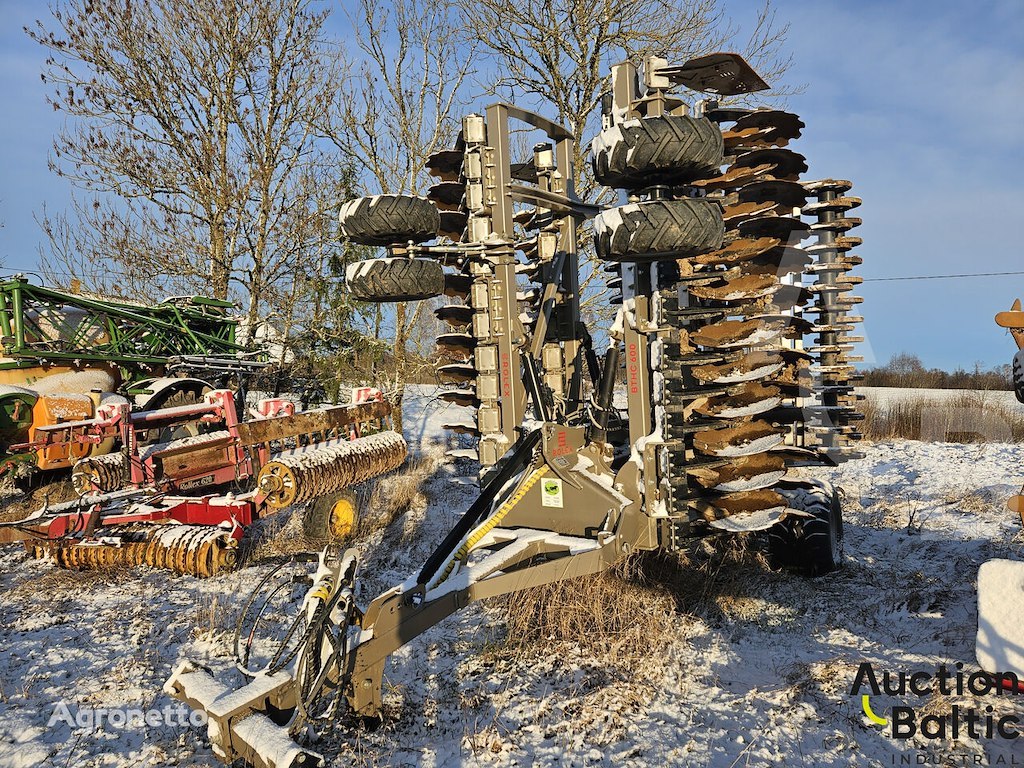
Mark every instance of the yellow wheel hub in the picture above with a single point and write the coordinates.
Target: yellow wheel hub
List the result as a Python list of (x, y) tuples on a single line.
[(342, 520)]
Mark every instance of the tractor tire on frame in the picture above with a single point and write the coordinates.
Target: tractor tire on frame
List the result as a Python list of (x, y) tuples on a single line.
[(389, 220), (810, 546), (657, 150), (394, 279), (659, 229)]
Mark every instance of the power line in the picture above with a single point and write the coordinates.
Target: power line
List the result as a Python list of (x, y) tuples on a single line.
[(939, 277)]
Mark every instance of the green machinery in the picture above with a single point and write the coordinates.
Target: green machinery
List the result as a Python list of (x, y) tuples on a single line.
[(62, 353)]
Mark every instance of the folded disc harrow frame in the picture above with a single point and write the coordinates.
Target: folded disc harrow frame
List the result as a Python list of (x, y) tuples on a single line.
[(731, 341)]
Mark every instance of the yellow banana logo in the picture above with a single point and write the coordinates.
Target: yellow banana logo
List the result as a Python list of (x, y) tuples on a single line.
[(865, 702)]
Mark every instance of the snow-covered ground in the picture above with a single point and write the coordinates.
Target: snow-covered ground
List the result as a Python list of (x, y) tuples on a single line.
[(888, 395), (759, 672)]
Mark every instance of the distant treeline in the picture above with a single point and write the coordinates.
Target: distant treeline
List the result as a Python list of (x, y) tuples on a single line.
[(906, 370)]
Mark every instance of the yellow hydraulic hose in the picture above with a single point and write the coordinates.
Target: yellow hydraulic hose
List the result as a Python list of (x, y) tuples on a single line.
[(485, 527)]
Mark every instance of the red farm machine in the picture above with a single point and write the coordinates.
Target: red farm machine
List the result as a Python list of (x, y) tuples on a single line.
[(183, 504), (168, 468)]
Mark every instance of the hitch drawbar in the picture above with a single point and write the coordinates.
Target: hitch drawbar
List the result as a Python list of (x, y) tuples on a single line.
[(236, 730)]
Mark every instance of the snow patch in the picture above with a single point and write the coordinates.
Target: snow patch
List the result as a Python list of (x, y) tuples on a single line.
[(1000, 642)]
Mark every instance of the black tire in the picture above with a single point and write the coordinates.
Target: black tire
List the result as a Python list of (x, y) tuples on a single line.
[(659, 229), (811, 546), (319, 518), (190, 392), (389, 220), (394, 279), (1018, 375), (657, 150)]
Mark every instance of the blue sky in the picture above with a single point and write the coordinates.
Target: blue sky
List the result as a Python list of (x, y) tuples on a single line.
[(920, 104)]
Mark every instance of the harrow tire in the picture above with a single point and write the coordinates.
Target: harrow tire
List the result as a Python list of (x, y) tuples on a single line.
[(657, 150), (659, 229), (810, 546), (1018, 375), (394, 279), (323, 518), (389, 220)]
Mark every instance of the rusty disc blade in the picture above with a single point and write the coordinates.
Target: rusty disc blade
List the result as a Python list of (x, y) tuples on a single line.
[(736, 176), (788, 229), (457, 315), (752, 399), (465, 398), (456, 373), (752, 366), (828, 185), (453, 224), (734, 333), (744, 288), (747, 473), (740, 440), (783, 124), (445, 164), (784, 163), (461, 344)]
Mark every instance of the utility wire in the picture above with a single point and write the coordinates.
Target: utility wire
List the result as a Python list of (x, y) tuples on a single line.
[(939, 277)]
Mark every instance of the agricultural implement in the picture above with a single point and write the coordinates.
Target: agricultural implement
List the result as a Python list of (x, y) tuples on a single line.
[(164, 504), (714, 296), (1014, 322), (65, 354)]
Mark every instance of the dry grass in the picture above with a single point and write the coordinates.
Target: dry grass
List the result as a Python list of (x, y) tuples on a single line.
[(16, 503), (391, 497), (632, 611), (967, 418), (60, 586)]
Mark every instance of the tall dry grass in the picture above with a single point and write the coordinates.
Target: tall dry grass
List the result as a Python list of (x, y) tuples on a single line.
[(633, 611), (971, 417)]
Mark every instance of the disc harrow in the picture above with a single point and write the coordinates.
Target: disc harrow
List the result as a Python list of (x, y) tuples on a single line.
[(733, 386), (138, 506), (720, 397)]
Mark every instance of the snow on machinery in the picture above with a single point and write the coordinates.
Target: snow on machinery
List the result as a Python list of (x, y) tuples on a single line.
[(723, 400), (1014, 322), (164, 505), (999, 645), (65, 354)]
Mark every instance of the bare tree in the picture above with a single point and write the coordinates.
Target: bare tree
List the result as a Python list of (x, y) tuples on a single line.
[(196, 133), (405, 85), (557, 52)]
